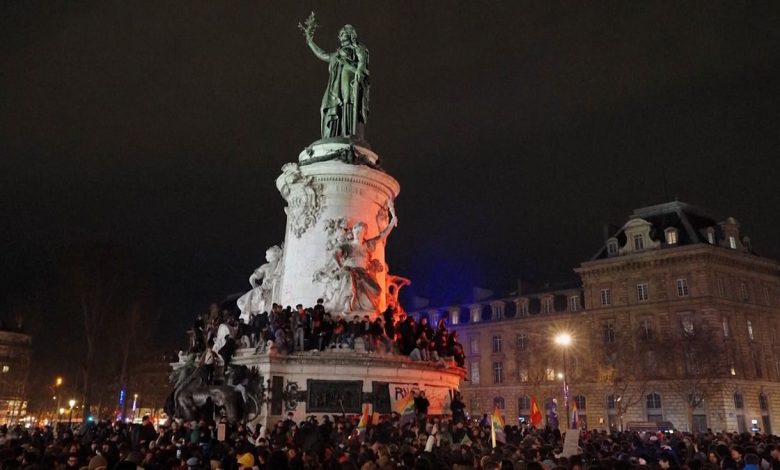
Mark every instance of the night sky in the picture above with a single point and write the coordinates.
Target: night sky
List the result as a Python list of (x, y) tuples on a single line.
[(517, 130)]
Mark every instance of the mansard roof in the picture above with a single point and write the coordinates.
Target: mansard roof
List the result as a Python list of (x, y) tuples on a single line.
[(692, 224)]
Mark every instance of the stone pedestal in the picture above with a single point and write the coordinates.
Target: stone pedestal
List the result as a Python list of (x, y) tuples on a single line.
[(342, 380), (319, 193)]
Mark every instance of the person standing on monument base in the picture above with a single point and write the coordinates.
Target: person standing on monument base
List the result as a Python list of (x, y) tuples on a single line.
[(299, 323)]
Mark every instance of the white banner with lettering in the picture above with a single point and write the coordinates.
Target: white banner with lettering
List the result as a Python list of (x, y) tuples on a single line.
[(439, 397)]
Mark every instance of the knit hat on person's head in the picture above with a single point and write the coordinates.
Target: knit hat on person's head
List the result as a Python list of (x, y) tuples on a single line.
[(97, 462)]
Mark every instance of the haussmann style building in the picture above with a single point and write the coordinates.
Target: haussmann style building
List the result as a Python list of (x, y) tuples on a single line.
[(15, 353), (674, 322)]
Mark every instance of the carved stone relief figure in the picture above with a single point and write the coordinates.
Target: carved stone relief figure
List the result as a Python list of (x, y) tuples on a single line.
[(264, 281), (350, 274), (305, 199)]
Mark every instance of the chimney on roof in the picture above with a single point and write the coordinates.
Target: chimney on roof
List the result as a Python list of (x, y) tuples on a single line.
[(480, 293), (420, 302)]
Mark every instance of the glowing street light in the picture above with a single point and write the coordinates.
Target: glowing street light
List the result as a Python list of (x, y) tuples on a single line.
[(564, 341), (72, 403)]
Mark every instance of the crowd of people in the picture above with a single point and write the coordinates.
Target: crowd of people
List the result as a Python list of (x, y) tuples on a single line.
[(337, 442), (216, 335)]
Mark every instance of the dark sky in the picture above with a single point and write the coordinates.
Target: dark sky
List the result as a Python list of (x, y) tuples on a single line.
[(515, 129)]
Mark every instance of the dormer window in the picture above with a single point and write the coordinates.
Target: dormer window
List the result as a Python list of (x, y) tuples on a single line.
[(454, 316), (547, 305), (671, 236), (476, 314), (522, 308), (747, 245), (612, 247), (639, 242), (732, 242), (711, 236), (497, 310), (638, 237)]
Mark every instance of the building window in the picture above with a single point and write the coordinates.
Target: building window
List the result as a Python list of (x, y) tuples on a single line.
[(606, 297), (522, 374), (499, 403), (475, 372), (710, 236), (687, 325), (612, 248), (498, 372), (641, 292), (763, 402), (732, 369), (726, 329), (732, 242), (721, 287), (653, 401), (574, 303), (757, 364), (653, 404), (524, 403), (474, 345), (743, 289), (522, 342), (611, 402), (581, 403), (546, 305), (750, 330), (646, 330), (455, 317), (671, 237), (497, 343), (497, 311), (524, 309), (549, 373), (639, 242), (739, 401), (609, 331), (682, 287), (476, 314), (6, 369)]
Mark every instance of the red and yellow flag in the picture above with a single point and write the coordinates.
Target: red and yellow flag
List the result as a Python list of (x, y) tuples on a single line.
[(536, 415)]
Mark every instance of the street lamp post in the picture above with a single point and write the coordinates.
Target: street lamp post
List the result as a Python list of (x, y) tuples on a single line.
[(564, 340), (57, 385), (72, 404), (135, 405)]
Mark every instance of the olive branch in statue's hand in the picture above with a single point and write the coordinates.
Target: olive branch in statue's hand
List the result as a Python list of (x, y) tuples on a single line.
[(309, 26)]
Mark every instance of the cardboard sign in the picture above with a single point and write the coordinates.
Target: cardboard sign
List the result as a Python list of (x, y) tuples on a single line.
[(571, 443), (221, 432), (439, 397)]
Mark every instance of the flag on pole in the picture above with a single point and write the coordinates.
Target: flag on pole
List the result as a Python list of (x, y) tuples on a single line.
[(536, 414), (405, 408), (363, 423), (575, 416), (497, 427)]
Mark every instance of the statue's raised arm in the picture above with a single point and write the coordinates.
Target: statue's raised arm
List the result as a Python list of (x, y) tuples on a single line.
[(308, 27), (391, 223)]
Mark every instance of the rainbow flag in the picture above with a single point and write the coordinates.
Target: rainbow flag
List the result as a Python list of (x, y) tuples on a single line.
[(405, 408), (363, 423), (497, 427)]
